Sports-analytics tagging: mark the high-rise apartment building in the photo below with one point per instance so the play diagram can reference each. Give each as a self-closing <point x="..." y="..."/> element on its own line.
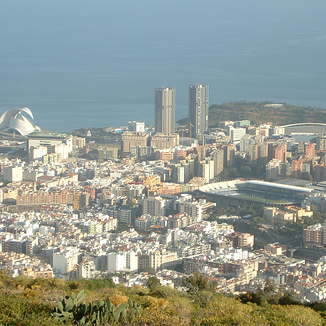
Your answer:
<point x="280" y="152"/>
<point x="198" y="109"/>
<point x="315" y="236"/>
<point x="218" y="157"/>
<point x="310" y="151"/>
<point x="165" y="110"/>
<point x="229" y="153"/>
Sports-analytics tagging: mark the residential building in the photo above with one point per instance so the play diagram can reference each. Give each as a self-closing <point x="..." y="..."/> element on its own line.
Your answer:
<point x="155" y="206"/>
<point x="65" y="261"/>
<point x="13" y="174"/>
<point x="136" y="126"/>
<point x="164" y="141"/>
<point x="242" y="240"/>
<point x="165" y="110"/>
<point x="236" y="134"/>
<point x="198" y="109"/>
<point x="315" y="236"/>
<point x="133" y="139"/>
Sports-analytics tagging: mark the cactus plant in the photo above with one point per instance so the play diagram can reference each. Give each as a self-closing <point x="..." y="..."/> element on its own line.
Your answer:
<point x="72" y="310"/>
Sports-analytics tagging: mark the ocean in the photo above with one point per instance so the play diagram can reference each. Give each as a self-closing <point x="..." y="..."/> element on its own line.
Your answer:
<point x="83" y="63"/>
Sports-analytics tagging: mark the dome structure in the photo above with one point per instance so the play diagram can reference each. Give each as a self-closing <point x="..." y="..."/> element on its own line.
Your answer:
<point x="21" y="120"/>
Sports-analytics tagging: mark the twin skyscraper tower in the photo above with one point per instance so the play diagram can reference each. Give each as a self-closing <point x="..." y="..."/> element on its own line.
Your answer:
<point x="198" y="110"/>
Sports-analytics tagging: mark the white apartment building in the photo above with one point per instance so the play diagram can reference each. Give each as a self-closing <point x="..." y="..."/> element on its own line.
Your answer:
<point x="122" y="261"/>
<point x="237" y="133"/>
<point x="86" y="269"/>
<point x="13" y="174"/>
<point x="65" y="261"/>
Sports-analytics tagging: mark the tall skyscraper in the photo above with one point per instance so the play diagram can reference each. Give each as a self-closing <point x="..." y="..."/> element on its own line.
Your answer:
<point x="165" y="110"/>
<point x="198" y="109"/>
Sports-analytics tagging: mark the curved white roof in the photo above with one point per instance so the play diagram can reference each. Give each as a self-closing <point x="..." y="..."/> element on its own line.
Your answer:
<point x="279" y="185"/>
<point x="232" y="184"/>
<point x="21" y="120"/>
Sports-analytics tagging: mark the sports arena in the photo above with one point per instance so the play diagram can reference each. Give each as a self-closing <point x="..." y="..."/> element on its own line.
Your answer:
<point x="267" y="193"/>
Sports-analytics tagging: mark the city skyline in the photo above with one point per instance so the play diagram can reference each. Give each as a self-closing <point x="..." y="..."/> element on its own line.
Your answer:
<point x="198" y="105"/>
<point x="162" y="163"/>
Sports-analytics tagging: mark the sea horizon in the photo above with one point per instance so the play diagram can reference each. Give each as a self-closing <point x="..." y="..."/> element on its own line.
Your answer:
<point x="80" y="65"/>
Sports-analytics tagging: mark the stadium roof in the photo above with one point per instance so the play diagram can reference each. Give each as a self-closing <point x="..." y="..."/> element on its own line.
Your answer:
<point x="279" y="185"/>
<point x="224" y="185"/>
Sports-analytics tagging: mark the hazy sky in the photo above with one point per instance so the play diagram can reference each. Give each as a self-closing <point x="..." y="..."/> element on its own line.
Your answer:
<point x="97" y="55"/>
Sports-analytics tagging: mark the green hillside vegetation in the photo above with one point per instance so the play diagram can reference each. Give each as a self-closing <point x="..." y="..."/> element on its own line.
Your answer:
<point x="37" y="302"/>
<point x="260" y="112"/>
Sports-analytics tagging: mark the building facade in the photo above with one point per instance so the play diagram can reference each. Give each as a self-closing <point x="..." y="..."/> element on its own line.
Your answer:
<point x="198" y="109"/>
<point x="165" y="110"/>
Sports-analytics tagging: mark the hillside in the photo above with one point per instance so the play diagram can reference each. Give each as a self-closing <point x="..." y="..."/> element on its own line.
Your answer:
<point x="27" y="302"/>
<point x="261" y="112"/>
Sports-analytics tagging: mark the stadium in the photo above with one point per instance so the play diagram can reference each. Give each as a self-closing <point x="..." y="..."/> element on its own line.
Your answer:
<point x="305" y="127"/>
<point x="257" y="191"/>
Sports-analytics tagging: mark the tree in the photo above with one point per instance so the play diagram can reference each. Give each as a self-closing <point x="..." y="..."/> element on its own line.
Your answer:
<point x="153" y="283"/>
<point x="197" y="282"/>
